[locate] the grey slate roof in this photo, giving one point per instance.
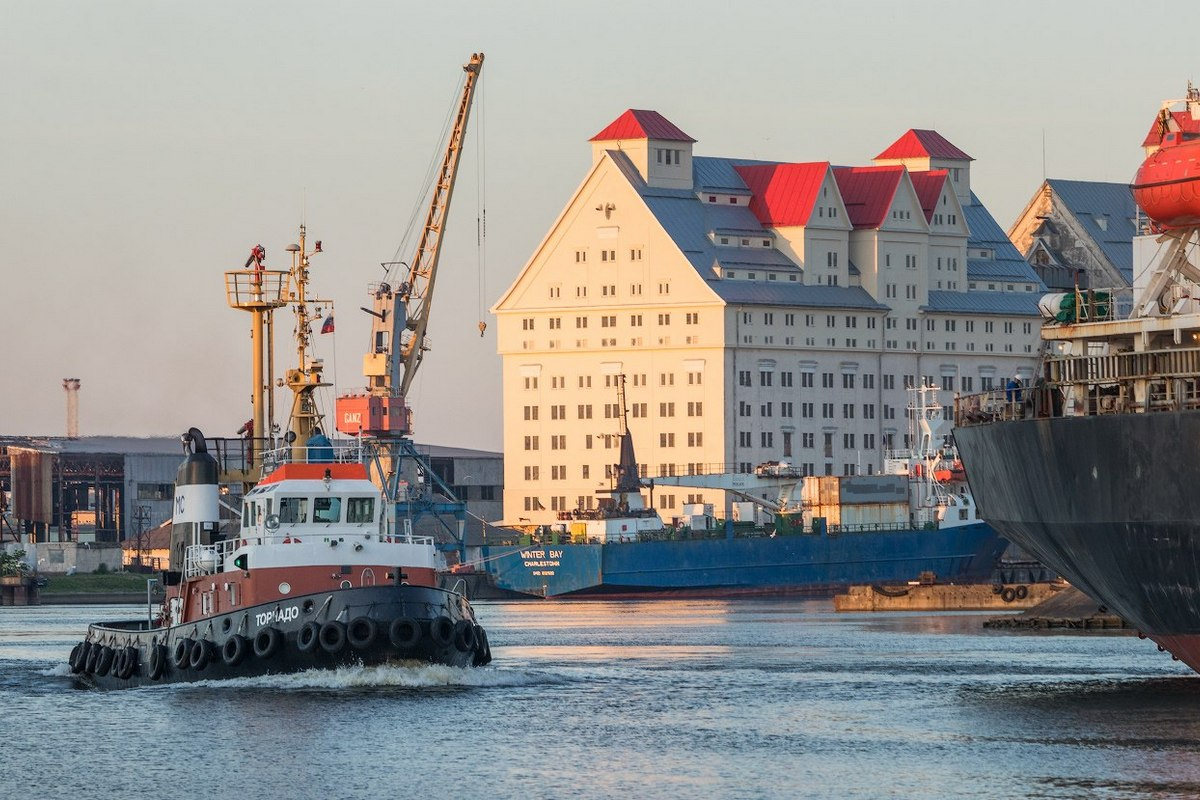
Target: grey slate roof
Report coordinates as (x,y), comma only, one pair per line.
(977,302)
(1089,201)
(796,294)
(1007,264)
(718,174)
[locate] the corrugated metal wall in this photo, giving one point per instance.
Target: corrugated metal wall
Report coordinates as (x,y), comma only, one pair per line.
(32,482)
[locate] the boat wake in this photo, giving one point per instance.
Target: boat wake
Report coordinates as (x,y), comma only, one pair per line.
(409,676)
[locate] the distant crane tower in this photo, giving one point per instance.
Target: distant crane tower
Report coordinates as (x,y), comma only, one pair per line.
(71,387)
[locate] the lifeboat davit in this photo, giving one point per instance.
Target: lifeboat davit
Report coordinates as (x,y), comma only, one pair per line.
(1167,185)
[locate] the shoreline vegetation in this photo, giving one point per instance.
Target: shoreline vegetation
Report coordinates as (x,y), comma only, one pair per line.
(96,583)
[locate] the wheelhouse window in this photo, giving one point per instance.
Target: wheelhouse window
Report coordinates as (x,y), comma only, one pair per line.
(293,510)
(327,509)
(360,509)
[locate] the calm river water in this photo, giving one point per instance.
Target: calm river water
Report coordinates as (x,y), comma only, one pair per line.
(688,699)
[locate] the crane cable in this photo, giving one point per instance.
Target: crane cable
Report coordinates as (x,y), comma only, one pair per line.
(421,204)
(481,205)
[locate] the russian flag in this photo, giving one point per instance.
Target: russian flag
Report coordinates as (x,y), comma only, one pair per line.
(327,325)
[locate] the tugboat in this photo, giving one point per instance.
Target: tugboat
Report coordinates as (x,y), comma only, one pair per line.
(323,569)
(314,578)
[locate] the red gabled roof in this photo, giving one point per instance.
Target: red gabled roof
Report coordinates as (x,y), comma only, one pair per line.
(929,188)
(635,124)
(783,194)
(868,192)
(923,144)
(1182,118)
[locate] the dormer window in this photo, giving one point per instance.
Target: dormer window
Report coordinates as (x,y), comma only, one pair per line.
(669,157)
(733,201)
(712,198)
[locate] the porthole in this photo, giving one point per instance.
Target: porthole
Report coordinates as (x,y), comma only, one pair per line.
(285,588)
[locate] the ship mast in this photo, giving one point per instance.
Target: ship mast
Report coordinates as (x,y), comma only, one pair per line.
(260,291)
(305,378)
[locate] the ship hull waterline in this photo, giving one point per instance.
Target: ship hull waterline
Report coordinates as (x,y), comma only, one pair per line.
(1109,502)
(800,565)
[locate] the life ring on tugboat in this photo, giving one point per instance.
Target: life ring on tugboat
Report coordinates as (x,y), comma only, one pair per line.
(129,663)
(105,660)
(441,630)
(233,652)
(158,661)
(267,642)
(333,636)
(183,653)
(306,639)
(201,654)
(404,633)
(361,632)
(464,636)
(1009,594)
(78,657)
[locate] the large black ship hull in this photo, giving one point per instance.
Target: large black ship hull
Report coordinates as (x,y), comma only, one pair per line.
(358,626)
(1111,502)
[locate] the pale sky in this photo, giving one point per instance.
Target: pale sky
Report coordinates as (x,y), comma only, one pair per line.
(146,146)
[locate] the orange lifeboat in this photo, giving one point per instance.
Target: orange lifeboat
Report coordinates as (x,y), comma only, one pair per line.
(1167,185)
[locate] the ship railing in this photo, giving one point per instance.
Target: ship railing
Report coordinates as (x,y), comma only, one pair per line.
(209,559)
(340,451)
(256,288)
(202,559)
(1090,385)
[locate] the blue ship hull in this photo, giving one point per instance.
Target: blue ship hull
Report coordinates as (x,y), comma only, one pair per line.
(805,564)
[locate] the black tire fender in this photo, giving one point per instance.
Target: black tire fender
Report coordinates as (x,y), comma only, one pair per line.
(201,654)
(129,663)
(464,636)
(78,657)
(182,655)
(104,661)
(233,652)
(306,639)
(441,630)
(483,649)
(333,636)
(1009,594)
(267,642)
(158,661)
(404,633)
(1022,592)
(362,632)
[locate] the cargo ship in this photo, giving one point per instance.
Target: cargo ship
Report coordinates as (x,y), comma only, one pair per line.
(1090,467)
(917,519)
